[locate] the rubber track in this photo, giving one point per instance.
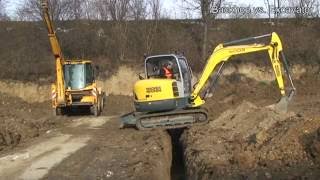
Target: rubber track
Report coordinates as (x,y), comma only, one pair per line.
(171,113)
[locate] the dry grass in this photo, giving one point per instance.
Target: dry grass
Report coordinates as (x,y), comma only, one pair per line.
(123,81)
(28,92)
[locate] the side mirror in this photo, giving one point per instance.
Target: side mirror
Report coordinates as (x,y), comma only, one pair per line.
(141,76)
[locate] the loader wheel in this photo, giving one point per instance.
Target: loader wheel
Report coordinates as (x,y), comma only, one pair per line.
(57,111)
(94,110)
(101,103)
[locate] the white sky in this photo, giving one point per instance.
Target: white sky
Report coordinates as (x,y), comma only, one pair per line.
(172,8)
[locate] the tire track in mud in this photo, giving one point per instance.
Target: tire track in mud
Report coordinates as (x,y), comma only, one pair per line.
(36,161)
(92,148)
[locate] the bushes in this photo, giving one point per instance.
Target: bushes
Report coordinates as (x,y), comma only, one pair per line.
(25,52)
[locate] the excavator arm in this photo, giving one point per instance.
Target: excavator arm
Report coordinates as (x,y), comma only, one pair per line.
(224,52)
(59,87)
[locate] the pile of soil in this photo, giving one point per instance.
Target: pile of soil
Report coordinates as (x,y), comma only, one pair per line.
(20,120)
(118,104)
(246,140)
(252,142)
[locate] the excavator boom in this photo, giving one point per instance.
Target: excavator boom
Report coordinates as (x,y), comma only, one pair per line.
(224,52)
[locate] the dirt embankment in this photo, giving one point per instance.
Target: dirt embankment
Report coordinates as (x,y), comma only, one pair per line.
(122,82)
(20,120)
(246,140)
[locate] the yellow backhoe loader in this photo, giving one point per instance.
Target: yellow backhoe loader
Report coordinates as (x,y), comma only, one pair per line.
(75,85)
(173,103)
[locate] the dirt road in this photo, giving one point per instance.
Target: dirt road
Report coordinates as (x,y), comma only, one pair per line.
(91,148)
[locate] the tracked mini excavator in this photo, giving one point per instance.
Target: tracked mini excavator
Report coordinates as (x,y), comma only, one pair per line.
(75,86)
(173,103)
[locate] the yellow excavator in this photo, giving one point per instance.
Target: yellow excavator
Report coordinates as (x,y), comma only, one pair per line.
(75,85)
(173,103)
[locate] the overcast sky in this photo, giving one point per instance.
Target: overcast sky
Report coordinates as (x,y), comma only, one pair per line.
(172,8)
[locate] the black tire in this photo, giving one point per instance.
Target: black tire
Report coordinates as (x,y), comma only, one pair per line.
(94,110)
(101,102)
(58,111)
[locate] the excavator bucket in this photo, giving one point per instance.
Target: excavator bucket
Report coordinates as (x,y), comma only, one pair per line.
(282,105)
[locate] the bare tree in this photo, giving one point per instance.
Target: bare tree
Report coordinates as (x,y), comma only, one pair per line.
(268,6)
(310,8)
(75,9)
(209,9)
(242,11)
(155,9)
(31,10)
(118,9)
(3,13)
(90,10)
(102,7)
(138,9)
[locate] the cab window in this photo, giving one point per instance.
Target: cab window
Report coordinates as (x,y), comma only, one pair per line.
(186,74)
(155,64)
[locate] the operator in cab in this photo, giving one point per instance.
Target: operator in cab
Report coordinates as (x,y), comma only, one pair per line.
(166,71)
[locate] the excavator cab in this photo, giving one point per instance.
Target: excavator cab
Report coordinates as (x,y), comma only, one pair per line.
(180,69)
(159,93)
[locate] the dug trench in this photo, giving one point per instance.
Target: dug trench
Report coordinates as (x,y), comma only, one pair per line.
(248,139)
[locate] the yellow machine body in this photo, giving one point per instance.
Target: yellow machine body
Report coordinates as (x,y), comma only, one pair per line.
(154,90)
(75,84)
(179,102)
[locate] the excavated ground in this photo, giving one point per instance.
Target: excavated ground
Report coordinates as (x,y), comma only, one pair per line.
(247,140)
(20,121)
(244,139)
(40,146)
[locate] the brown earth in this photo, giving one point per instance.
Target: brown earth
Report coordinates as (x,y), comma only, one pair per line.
(244,139)
(247,140)
(20,121)
(79,146)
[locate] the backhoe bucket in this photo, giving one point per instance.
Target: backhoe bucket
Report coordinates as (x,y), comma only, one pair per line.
(282,105)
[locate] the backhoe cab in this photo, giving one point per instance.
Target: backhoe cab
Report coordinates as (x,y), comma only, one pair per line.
(169,103)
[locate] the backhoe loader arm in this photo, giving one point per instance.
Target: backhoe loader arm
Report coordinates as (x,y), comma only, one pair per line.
(223,52)
(56,50)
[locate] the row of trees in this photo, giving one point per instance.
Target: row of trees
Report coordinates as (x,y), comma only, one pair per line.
(120,10)
(116,10)
(209,11)
(3,14)
(124,10)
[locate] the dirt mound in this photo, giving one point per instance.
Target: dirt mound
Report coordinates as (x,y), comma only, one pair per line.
(252,142)
(247,119)
(20,120)
(115,105)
